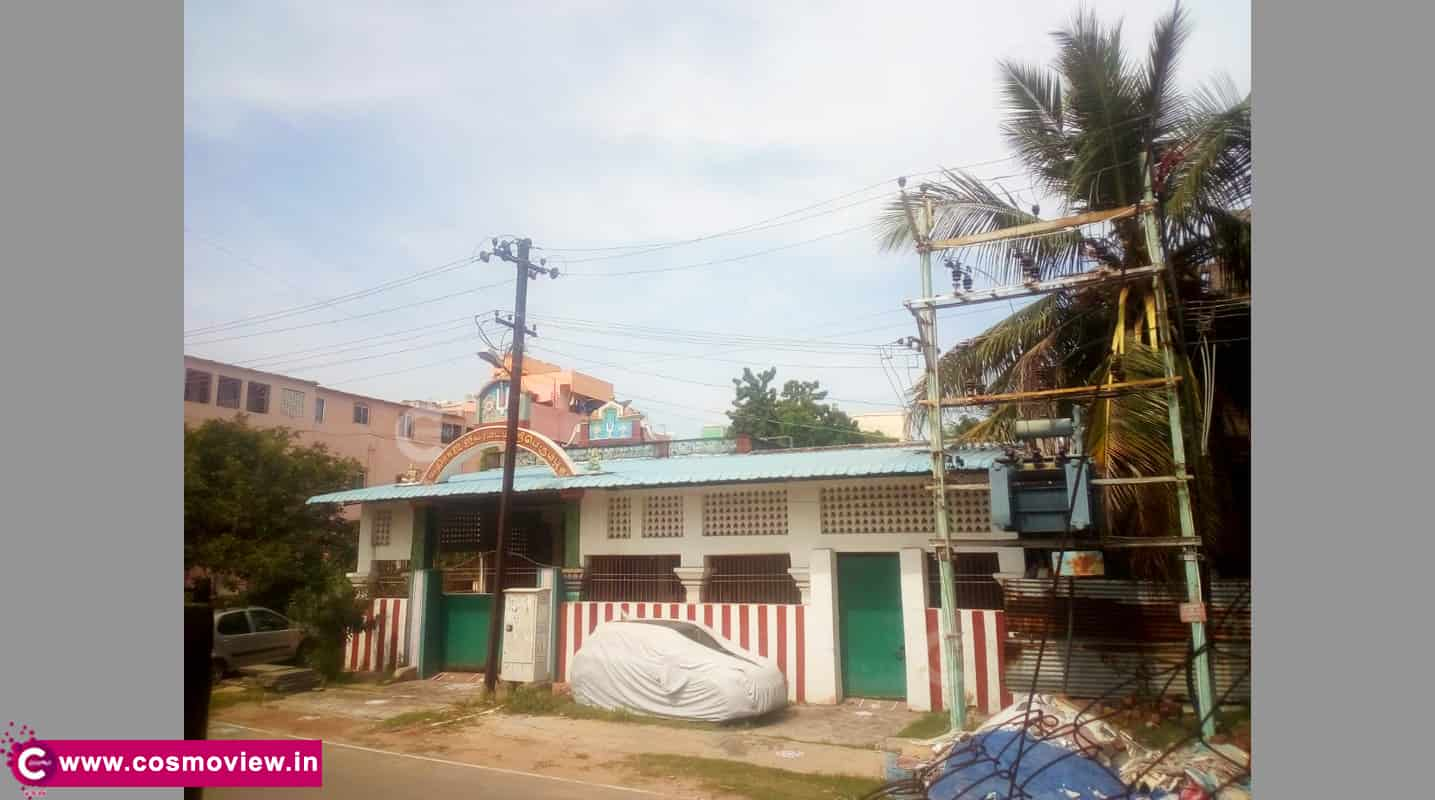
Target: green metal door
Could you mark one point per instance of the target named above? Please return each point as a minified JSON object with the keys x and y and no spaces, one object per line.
{"x":869,"y":623}
{"x":465,"y":631}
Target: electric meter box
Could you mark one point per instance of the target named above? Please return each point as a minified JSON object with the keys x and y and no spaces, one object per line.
{"x":527,"y":635}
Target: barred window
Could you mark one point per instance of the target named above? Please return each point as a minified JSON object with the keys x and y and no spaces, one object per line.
{"x":406,"y":426}
{"x":227,"y":396}
{"x":258,"y":398}
{"x":361,"y":414}
{"x":750,"y":579}
{"x":319,"y":404}
{"x":449,"y":432}
{"x":196,"y":386}
{"x":745,"y":512}
{"x":383,"y":521}
{"x":632,"y":579}
{"x":972,"y":577}
{"x":662,"y":516}
{"x":291,"y":403}
{"x":620,"y":517}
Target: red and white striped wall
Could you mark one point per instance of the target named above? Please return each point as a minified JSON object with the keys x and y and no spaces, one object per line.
{"x":384,"y":646}
{"x":772,"y":632}
{"x":983,"y":657}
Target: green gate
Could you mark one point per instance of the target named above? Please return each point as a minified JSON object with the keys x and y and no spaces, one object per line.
{"x":869,"y":622}
{"x":464,"y":622}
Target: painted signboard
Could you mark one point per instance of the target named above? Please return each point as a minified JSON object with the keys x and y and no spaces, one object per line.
{"x":1079,"y":563}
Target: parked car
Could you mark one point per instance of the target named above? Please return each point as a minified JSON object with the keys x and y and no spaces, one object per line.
{"x":672,"y":668}
{"x":253,"y":635}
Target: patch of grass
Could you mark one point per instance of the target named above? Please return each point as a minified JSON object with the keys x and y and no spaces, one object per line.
{"x":541,"y":701}
{"x":745,"y":780}
{"x":228,"y":698}
{"x":411,"y":718}
{"x":927,"y":726}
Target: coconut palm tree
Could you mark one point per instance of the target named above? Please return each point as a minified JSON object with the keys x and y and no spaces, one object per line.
{"x":1088,"y":130}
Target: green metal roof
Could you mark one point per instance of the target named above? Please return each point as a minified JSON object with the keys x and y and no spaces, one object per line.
{"x":780,"y":465}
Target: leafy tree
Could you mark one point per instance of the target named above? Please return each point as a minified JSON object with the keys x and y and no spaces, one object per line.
{"x":797,"y":417}
{"x":246,"y":522}
{"x":1082,"y":128}
{"x":958,"y":429}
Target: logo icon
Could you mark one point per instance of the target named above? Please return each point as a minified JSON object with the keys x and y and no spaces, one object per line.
{"x":30,"y":760}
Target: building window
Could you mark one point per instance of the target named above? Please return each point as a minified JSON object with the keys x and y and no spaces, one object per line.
{"x":291,"y":403}
{"x":750,"y":579}
{"x":227,"y":395}
{"x":746,"y":512}
{"x":361,"y":414}
{"x":976,"y":588}
{"x":663,"y":516}
{"x":362,"y":480}
{"x":450,"y":431}
{"x":383,"y":521}
{"x":257,"y":402}
{"x":620,"y":517}
{"x":406,"y":426}
{"x":632,"y":579}
{"x":196,"y":386}
{"x":319,"y":409}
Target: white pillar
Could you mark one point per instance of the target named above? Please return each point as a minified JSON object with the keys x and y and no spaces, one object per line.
{"x":914,"y":627}
{"x":802,"y":576}
{"x":692,"y":580}
{"x":824,"y":668}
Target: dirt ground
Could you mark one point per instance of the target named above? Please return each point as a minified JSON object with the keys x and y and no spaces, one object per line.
{"x":844,"y":739}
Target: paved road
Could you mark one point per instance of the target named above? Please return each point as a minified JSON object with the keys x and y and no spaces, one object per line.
{"x":363,"y":773}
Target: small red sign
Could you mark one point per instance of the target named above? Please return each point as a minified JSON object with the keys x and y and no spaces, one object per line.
{"x":1193,"y":612}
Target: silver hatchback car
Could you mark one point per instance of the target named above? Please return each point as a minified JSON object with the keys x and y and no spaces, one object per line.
{"x":253,"y":635}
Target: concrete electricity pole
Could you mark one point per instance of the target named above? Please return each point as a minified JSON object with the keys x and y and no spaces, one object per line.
{"x":526,"y":270}
{"x":952,"y":678}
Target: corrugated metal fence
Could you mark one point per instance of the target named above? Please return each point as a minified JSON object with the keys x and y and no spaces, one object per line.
{"x":1125,"y":637}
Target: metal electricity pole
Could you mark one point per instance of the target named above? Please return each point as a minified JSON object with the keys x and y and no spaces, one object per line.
{"x":956,"y":694}
{"x":505,"y":250}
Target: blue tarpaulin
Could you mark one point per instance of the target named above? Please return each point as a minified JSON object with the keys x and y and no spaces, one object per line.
{"x":981,"y":766}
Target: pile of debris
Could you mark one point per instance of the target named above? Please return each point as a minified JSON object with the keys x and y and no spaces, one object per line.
{"x":282,"y":679}
{"x":1049,"y":748}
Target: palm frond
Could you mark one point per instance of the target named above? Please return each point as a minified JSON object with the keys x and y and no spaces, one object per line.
{"x":1160,"y":100}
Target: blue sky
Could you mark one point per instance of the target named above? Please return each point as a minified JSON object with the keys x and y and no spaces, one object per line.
{"x":330,"y":147}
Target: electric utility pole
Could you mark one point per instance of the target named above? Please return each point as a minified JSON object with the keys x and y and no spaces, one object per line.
{"x":956,"y":693}
{"x":505,"y":250}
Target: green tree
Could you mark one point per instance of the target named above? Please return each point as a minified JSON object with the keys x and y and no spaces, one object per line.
{"x":246,"y":521}
{"x":797,"y":417}
{"x":1082,"y":128}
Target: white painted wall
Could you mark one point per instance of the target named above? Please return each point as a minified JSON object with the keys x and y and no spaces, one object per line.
{"x":804,"y":528}
{"x":824,"y":668}
{"x":400,"y":545}
{"x":914,"y":627}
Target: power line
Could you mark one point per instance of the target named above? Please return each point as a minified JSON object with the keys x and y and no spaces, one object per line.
{"x":654,"y":246}
{"x":718,"y":261}
{"x":389,"y":310}
{"x":701,"y":383}
{"x":335,"y":347}
{"x":257,"y":319}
